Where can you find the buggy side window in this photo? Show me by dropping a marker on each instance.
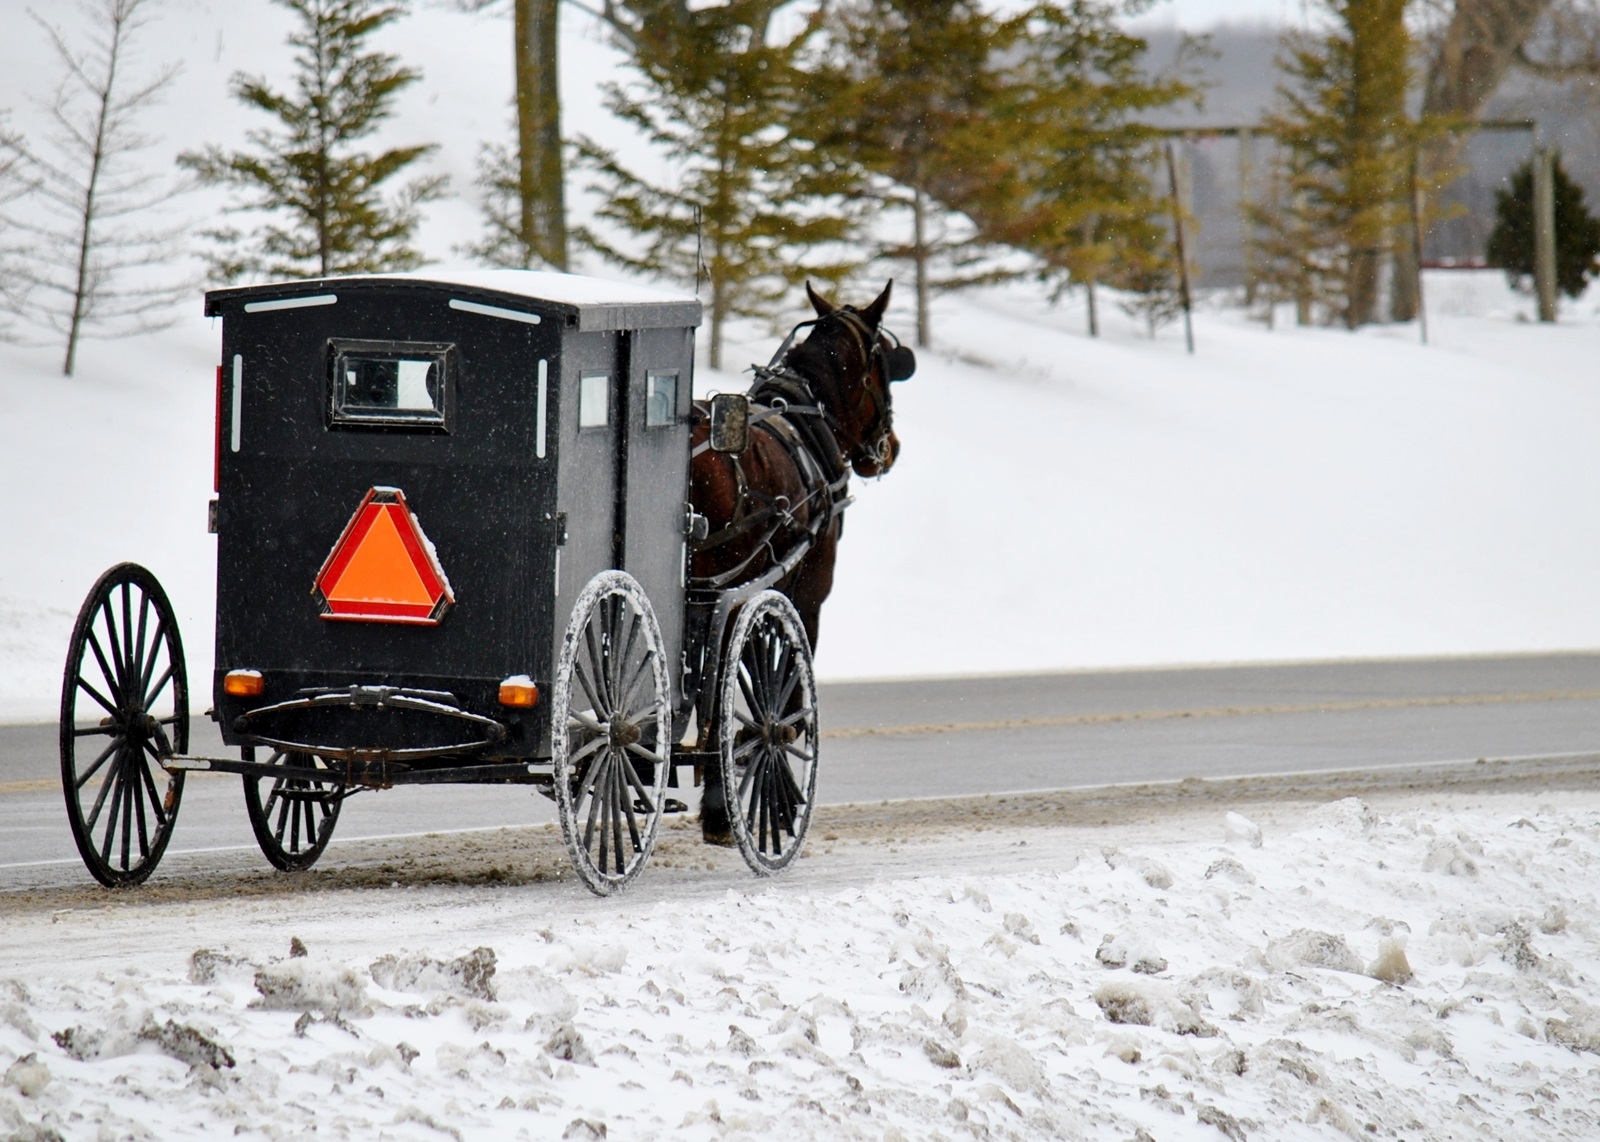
(593, 389)
(394, 383)
(661, 399)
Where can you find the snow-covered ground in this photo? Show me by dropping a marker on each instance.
(1422, 970)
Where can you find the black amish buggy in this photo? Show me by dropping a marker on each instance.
(451, 518)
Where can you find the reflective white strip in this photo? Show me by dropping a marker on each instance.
(290, 303)
(238, 399)
(538, 416)
(494, 311)
(558, 571)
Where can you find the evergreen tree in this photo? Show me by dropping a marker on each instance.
(1026, 124)
(1079, 191)
(1577, 232)
(754, 205)
(913, 89)
(324, 201)
(1349, 149)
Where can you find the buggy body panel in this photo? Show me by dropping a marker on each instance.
(520, 503)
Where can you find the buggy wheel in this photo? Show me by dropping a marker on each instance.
(294, 824)
(124, 707)
(610, 733)
(767, 733)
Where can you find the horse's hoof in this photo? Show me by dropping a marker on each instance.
(722, 839)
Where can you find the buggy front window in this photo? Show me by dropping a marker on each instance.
(393, 383)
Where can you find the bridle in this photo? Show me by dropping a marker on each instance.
(885, 356)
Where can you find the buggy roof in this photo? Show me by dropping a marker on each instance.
(590, 303)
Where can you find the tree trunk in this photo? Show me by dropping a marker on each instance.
(541, 172)
(1479, 45)
(919, 259)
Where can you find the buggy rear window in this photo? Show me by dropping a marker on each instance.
(398, 384)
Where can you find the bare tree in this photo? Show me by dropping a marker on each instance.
(1477, 43)
(14, 184)
(1567, 44)
(85, 258)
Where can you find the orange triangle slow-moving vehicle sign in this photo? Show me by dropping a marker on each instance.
(383, 569)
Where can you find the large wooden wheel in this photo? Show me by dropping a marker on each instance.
(610, 731)
(124, 707)
(767, 733)
(295, 822)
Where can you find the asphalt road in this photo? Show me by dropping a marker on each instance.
(891, 740)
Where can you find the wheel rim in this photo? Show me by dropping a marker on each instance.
(609, 732)
(768, 733)
(125, 693)
(295, 822)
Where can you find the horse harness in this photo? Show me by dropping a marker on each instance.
(783, 402)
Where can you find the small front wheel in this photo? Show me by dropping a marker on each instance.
(294, 824)
(610, 732)
(767, 733)
(125, 697)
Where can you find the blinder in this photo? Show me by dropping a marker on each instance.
(899, 362)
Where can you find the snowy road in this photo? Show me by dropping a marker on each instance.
(982, 735)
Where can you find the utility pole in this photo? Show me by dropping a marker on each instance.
(1544, 230)
(1183, 257)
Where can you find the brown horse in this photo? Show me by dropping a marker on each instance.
(820, 411)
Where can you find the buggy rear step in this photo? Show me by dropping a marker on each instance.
(367, 772)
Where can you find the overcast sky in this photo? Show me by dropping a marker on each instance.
(1201, 14)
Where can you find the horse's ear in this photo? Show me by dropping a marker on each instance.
(874, 312)
(819, 303)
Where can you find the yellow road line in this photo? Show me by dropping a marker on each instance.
(1212, 712)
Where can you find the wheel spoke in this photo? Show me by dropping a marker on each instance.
(94, 766)
(635, 622)
(106, 787)
(643, 670)
(83, 684)
(646, 794)
(136, 659)
(593, 745)
(105, 727)
(156, 806)
(588, 688)
(746, 685)
(594, 799)
(110, 677)
(151, 692)
(127, 636)
(597, 664)
(136, 795)
(640, 752)
(617, 799)
(744, 750)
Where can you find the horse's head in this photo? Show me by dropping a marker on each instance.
(851, 359)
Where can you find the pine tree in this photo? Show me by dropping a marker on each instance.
(1081, 194)
(754, 205)
(912, 90)
(1025, 124)
(1577, 232)
(323, 201)
(1342, 121)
